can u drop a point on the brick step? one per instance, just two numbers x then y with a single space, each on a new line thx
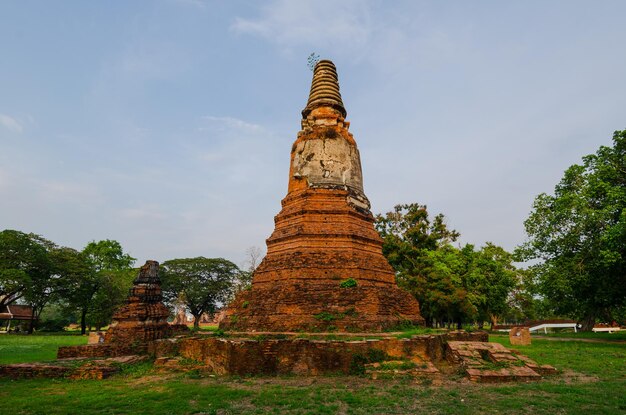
492 362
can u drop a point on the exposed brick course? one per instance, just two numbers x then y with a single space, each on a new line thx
244 356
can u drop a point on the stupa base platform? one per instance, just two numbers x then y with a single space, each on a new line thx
380 356
320 306
138 346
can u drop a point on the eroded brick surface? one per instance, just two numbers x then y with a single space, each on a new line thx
69 368
305 356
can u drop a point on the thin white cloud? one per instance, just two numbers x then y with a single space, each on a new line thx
66 191
150 212
354 31
324 23
11 123
238 148
228 123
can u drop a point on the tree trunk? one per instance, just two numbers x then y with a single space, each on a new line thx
31 326
588 321
196 321
83 321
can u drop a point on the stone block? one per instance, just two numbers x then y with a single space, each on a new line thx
519 336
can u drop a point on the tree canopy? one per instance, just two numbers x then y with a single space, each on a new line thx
93 280
203 284
451 284
578 235
23 259
36 271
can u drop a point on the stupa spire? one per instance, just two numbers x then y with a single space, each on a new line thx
324 89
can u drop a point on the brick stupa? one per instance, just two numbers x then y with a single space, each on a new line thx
144 316
324 239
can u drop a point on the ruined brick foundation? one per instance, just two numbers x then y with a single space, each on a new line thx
432 356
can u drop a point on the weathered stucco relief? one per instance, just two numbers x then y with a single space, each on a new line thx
327 162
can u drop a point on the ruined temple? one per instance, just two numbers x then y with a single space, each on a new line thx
144 316
141 320
324 267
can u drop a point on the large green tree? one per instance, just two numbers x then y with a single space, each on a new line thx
490 280
451 284
112 292
419 248
35 271
22 258
203 284
94 280
28 270
578 235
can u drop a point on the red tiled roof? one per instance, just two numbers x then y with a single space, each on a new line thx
16 312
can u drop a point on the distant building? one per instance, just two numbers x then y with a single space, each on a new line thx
15 312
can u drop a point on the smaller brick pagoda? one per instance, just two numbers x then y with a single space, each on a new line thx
144 316
141 320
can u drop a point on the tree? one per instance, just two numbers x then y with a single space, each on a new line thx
36 271
491 279
107 255
254 255
102 289
92 280
76 279
22 258
440 287
202 283
27 270
111 294
451 284
578 235
421 253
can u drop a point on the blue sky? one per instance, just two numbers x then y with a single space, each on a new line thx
167 125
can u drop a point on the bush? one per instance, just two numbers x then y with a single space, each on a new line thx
52 324
349 283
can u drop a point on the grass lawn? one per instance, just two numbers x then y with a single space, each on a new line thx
620 335
593 382
19 348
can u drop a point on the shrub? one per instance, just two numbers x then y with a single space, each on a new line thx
325 316
52 324
349 283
